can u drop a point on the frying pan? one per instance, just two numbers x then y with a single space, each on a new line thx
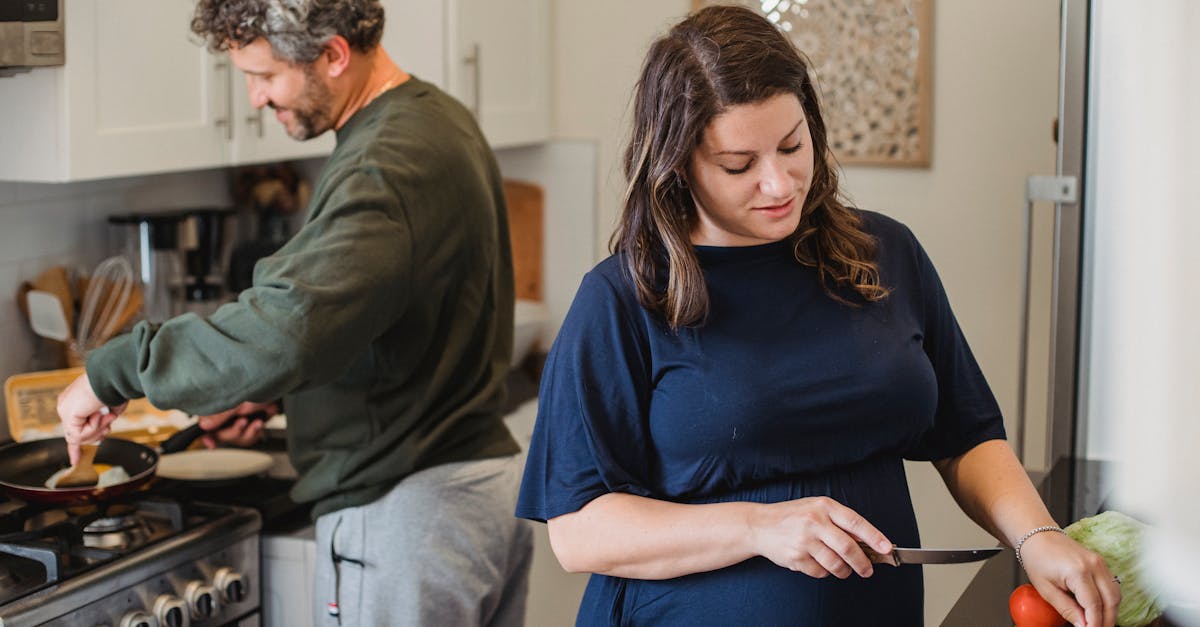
25 466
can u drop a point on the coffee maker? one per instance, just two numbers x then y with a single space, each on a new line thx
179 258
205 238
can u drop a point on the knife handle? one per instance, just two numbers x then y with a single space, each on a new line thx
880 558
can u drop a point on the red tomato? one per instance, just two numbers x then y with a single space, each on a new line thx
1029 609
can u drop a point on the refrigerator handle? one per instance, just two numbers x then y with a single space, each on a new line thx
1056 189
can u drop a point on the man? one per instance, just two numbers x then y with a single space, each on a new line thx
385 325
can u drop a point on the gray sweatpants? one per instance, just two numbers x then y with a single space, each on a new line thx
442 548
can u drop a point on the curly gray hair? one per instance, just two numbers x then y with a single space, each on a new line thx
296 29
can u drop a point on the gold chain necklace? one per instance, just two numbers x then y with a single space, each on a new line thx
390 83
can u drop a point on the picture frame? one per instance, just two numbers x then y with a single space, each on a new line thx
872 64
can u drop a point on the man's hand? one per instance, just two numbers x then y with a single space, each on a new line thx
84 417
241 431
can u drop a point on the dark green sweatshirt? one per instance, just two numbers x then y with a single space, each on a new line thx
385 324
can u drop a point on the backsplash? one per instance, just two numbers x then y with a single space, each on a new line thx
42 225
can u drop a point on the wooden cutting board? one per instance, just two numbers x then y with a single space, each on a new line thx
525 206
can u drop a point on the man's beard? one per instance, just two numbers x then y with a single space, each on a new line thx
311 113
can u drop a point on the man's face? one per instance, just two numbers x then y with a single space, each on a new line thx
297 93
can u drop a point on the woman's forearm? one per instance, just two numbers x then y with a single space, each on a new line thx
632 536
642 538
991 486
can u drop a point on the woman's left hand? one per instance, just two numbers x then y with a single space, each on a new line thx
1073 579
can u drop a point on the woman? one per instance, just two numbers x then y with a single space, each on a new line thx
725 412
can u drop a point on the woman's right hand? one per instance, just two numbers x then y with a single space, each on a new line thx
816 536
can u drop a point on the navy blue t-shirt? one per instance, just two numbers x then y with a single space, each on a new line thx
782 393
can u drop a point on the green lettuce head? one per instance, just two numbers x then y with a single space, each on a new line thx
1118 539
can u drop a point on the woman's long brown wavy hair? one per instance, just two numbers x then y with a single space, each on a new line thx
717 58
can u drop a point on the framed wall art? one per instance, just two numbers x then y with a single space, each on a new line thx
872 64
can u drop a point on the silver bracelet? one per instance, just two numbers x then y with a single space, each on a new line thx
1029 534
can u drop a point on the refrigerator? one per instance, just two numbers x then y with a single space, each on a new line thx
1123 406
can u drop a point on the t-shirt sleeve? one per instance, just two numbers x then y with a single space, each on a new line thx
589 436
967 413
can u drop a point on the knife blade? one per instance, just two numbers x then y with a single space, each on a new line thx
901 555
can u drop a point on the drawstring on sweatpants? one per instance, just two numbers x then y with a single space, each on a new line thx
333 607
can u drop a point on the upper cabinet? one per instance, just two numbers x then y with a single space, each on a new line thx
493 55
499 67
133 100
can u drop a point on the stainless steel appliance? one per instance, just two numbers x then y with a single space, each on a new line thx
206 237
31 34
151 242
146 560
179 258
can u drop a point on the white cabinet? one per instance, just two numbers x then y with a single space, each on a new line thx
129 98
135 100
499 66
287 567
493 55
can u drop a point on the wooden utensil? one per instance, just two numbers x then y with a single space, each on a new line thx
56 281
83 472
46 316
23 297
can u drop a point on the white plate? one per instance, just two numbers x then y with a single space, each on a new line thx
214 464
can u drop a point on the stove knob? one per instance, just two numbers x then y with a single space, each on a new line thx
201 600
171 611
231 585
138 619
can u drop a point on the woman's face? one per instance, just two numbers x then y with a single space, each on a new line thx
751 172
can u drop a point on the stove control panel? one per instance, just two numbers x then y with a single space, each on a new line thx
231 585
171 611
201 600
138 619
214 589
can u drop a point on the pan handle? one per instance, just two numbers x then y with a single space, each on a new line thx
183 439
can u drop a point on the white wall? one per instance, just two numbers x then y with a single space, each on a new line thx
995 96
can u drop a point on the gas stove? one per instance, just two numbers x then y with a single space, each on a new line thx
145 560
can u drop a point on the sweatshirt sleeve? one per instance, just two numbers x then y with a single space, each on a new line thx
314 305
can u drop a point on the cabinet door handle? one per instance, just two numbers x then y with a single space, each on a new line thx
255 120
475 60
225 121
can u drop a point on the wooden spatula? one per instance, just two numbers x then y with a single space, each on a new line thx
81 473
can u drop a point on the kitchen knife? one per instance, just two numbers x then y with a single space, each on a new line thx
900 555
